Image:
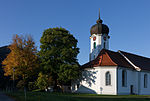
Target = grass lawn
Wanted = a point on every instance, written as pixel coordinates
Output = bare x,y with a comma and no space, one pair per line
44,96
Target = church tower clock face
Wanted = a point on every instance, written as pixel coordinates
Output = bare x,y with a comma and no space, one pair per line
94,38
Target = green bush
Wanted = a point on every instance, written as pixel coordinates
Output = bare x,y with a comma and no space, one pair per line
20,84
32,86
42,81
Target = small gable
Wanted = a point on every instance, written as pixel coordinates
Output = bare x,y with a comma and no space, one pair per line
108,58
103,59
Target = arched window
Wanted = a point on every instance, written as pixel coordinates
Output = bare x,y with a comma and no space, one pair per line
108,78
124,78
104,45
94,45
145,80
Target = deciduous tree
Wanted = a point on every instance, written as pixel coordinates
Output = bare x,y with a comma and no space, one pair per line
59,55
22,60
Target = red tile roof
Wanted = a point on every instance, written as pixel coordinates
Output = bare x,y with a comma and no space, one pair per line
111,58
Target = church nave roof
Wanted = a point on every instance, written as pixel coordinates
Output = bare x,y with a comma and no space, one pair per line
120,58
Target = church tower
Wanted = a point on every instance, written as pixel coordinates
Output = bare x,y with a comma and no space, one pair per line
99,38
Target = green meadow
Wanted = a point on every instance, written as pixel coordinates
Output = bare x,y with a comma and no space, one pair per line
44,96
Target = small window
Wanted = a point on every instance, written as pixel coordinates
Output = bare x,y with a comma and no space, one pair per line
124,78
104,45
108,78
94,45
78,86
145,81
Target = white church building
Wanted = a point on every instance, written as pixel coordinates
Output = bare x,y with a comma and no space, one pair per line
109,72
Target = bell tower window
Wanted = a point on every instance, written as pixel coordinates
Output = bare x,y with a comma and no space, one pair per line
94,56
104,45
94,45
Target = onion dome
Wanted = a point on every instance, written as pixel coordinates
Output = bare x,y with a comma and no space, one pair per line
99,28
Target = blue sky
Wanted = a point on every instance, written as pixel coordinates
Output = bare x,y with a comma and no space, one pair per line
128,21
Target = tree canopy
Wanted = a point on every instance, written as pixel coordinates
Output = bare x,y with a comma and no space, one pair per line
59,55
22,60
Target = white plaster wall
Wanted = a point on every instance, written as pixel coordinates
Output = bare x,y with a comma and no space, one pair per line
132,79
98,41
93,81
112,89
144,91
95,52
136,79
99,45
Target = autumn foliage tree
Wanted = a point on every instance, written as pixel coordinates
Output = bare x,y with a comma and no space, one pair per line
22,60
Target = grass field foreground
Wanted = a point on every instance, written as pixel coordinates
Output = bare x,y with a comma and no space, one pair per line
45,96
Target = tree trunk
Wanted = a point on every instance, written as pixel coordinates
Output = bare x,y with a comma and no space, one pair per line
56,87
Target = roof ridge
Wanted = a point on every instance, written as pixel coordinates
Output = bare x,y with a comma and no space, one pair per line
136,67
134,54
4,46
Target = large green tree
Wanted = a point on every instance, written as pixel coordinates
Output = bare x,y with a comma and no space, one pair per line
59,55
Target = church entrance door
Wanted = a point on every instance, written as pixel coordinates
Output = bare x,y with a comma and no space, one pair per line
131,89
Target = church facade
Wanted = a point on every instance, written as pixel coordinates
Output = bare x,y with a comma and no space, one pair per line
109,72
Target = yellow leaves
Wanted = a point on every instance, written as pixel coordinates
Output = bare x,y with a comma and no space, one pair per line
22,56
